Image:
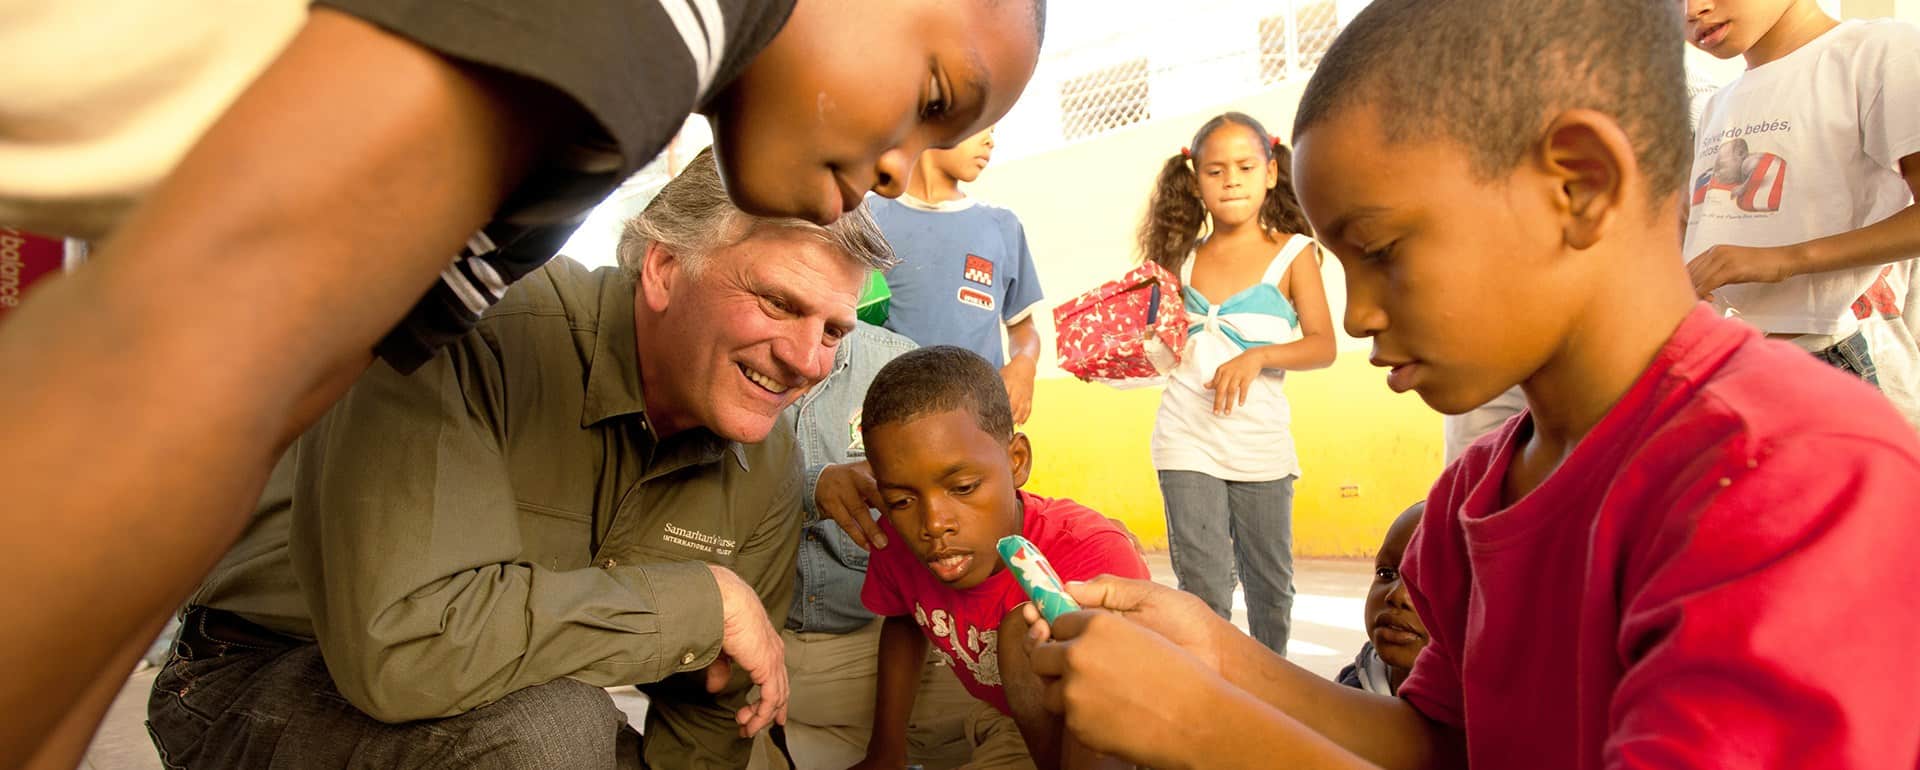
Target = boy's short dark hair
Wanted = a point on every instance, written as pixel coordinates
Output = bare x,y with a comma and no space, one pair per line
1488,75
938,379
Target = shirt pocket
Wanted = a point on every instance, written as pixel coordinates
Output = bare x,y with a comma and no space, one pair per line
554,538
838,545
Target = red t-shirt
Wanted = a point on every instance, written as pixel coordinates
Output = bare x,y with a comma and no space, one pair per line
964,625
1721,575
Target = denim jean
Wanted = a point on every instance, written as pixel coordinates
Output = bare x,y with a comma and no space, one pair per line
1850,355
1217,528
247,700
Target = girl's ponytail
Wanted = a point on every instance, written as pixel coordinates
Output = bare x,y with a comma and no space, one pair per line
1281,213
1174,215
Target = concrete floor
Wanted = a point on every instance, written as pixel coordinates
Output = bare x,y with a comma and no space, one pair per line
1327,631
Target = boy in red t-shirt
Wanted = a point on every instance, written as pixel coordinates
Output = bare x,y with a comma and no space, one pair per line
949,466
1684,552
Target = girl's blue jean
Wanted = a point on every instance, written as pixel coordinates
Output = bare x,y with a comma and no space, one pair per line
1217,528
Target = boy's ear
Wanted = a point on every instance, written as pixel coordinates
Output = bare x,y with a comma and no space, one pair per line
1020,457
659,269
1591,161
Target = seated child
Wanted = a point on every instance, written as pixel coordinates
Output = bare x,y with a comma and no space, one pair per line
1395,635
939,435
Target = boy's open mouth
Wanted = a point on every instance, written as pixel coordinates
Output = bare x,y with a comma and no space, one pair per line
951,564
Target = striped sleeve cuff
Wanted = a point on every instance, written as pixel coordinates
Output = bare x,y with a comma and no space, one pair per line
472,282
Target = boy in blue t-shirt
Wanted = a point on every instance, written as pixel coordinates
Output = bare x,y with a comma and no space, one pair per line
965,271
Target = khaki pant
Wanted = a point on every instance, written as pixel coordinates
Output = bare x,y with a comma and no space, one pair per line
830,709
995,741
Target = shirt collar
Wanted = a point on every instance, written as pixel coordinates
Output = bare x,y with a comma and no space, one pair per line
958,204
842,358
613,374
614,386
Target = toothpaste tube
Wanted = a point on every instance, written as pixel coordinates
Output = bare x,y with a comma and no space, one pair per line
1042,584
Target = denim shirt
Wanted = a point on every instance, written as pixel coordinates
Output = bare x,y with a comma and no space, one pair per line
832,568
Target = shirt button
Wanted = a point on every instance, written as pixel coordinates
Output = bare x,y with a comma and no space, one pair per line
811,599
609,564
687,659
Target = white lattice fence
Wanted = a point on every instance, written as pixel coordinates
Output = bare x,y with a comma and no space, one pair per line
1156,59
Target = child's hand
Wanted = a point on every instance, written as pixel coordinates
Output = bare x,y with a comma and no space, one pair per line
1037,629
1126,690
1725,265
1231,381
1179,616
844,493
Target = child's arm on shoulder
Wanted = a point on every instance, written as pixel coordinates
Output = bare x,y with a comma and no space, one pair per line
1890,240
903,652
845,492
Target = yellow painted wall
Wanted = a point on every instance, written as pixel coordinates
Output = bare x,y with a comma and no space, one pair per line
1080,205
1090,443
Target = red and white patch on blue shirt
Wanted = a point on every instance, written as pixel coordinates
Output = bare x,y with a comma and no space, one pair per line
976,298
979,270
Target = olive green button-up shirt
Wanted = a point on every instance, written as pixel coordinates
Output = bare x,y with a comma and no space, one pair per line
505,516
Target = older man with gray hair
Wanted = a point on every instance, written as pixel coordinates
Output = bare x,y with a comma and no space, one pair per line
587,490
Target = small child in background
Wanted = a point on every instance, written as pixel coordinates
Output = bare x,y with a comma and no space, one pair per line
1224,218
1395,635
939,436
1805,168
965,271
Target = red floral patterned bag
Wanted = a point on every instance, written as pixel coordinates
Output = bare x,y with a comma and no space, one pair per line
1127,333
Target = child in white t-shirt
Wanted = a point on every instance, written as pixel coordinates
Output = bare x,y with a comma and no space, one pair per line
1804,175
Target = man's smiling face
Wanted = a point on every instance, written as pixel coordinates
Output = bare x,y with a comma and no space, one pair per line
745,330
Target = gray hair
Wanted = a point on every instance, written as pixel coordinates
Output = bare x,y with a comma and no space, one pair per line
692,217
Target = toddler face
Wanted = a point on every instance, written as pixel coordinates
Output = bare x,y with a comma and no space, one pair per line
1396,632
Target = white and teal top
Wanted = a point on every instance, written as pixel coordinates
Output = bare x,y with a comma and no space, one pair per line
1254,443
